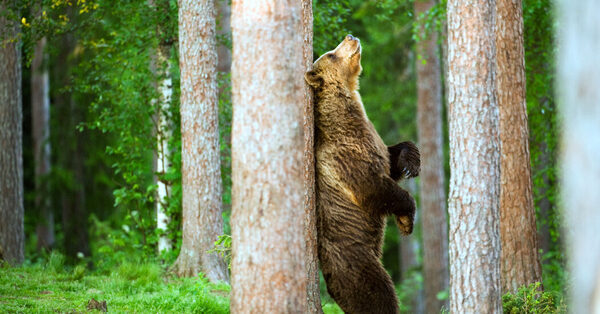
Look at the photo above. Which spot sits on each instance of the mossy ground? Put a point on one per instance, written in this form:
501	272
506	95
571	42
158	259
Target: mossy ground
131	288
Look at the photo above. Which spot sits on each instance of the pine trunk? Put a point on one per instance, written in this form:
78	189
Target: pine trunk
40	120
269	270
433	193
310	222
579	78
201	165
474	200
520	258
12	236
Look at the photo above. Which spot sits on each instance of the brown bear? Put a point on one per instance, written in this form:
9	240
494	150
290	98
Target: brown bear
356	188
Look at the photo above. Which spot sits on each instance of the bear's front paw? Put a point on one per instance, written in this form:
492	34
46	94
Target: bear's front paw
405	221
405	161
405	224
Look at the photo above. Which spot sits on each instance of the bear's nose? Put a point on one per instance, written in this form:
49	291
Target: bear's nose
350	37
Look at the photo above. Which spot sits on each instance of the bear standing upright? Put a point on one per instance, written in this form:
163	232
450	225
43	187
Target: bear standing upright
355	189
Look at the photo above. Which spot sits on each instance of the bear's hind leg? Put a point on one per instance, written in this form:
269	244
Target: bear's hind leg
363	287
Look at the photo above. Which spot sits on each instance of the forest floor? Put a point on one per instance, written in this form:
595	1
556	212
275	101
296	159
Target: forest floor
130	288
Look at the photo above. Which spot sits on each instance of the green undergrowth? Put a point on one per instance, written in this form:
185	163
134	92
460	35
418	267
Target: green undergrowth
131	288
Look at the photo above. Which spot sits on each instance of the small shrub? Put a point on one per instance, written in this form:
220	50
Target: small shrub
529	299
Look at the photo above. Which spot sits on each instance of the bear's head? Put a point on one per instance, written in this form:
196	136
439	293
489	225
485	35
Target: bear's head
340	66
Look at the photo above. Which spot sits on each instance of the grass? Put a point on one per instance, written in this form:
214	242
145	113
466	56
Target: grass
132	288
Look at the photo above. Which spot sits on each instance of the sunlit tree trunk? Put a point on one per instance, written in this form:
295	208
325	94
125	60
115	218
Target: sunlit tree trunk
310	223
40	120
474	200
520	257
201	166
579	78
12	237
269	96
433	194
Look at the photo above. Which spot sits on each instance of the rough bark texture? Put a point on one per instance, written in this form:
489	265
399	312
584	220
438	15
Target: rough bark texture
310	224
474	198
269	261
12	236
433	194
520	257
201	166
40	116
579	78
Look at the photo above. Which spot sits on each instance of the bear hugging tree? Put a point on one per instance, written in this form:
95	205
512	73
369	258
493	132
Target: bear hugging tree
356	186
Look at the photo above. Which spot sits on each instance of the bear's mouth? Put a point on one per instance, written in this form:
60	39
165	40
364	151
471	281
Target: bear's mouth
358	49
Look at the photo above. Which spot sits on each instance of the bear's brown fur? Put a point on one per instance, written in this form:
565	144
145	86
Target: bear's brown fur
355	191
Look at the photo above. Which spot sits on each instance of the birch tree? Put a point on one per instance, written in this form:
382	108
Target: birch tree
433	194
579	78
201	172
474	198
520	257
12	236
269	266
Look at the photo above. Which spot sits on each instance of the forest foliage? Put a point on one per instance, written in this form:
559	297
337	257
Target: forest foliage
103	95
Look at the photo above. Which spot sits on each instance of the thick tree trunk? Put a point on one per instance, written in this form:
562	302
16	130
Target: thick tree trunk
433	194
269	97
164	133
474	200
12	237
40	116
310	223
520	257
579	78
201	166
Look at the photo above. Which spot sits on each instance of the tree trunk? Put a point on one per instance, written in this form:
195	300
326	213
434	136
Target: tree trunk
310	223
201	166
520	257
579	78
12	236
269	96
164	134
433	191
40	116
474	198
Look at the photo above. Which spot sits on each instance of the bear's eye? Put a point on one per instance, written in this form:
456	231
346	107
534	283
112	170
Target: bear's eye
331	56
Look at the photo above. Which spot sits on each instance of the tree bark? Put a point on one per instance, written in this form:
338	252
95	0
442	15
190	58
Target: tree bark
433	193
40	116
579	78
12	236
474	198
269	270
520	256
164	134
201	166
313	293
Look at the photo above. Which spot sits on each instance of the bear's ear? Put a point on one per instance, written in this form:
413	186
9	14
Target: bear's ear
313	79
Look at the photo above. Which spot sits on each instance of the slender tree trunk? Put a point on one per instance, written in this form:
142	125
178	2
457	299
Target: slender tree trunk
474	198
310	222
201	166
269	97
164	134
433	194
520	258
12	236
40	107
579	78
224	30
